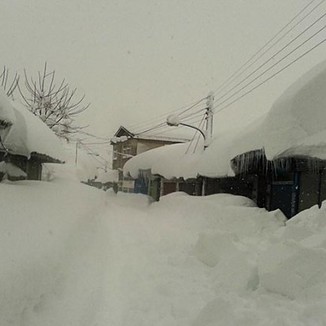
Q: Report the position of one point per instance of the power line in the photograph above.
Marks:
(200, 114)
(241, 70)
(92, 135)
(98, 143)
(163, 127)
(152, 128)
(150, 125)
(275, 54)
(266, 70)
(149, 122)
(272, 76)
(163, 124)
(94, 154)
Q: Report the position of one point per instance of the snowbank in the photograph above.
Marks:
(52, 248)
(79, 165)
(295, 265)
(74, 255)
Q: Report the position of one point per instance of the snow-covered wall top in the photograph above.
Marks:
(295, 125)
(28, 134)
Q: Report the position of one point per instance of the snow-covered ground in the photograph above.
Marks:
(75, 255)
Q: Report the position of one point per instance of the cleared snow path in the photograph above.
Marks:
(154, 279)
(53, 255)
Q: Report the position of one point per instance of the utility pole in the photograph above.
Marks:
(209, 120)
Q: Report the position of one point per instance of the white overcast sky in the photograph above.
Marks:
(135, 59)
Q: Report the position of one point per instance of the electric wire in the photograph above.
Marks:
(151, 127)
(273, 75)
(271, 67)
(92, 135)
(191, 116)
(275, 54)
(164, 128)
(94, 154)
(243, 68)
(239, 72)
(150, 122)
(164, 124)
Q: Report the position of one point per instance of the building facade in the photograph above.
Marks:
(127, 145)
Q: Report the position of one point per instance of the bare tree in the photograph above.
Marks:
(8, 84)
(56, 104)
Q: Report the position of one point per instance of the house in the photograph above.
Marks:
(279, 160)
(26, 142)
(127, 144)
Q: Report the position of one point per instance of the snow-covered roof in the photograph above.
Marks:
(162, 138)
(294, 126)
(28, 135)
(173, 135)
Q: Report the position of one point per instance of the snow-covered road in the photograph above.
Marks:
(75, 255)
(153, 273)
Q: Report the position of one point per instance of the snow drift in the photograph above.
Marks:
(75, 255)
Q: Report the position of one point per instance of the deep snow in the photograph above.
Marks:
(75, 255)
(27, 133)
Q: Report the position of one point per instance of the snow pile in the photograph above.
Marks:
(74, 255)
(175, 257)
(196, 261)
(79, 165)
(293, 126)
(295, 265)
(52, 253)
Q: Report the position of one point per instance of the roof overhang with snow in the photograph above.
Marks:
(294, 127)
(27, 135)
(123, 134)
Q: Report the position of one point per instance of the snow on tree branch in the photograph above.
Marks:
(56, 104)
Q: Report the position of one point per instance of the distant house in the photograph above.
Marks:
(105, 180)
(26, 142)
(279, 160)
(127, 144)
